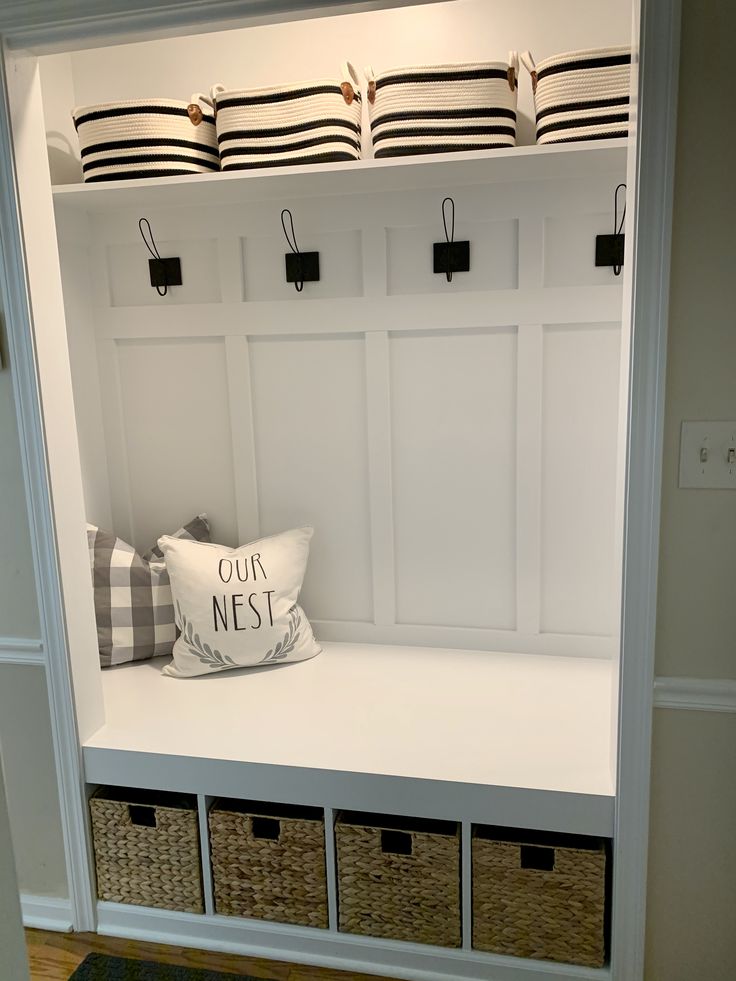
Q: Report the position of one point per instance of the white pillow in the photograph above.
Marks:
(236, 607)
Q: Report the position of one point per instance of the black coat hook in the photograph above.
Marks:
(451, 256)
(163, 272)
(609, 249)
(301, 267)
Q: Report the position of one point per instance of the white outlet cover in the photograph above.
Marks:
(715, 471)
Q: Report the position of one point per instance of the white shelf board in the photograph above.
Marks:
(504, 738)
(523, 163)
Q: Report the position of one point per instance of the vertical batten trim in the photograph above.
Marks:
(531, 254)
(530, 364)
(375, 266)
(230, 265)
(378, 412)
(208, 886)
(466, 883)
(242, 434)
(331, 869)
(113, 421)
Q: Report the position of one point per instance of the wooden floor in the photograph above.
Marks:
(54, 957)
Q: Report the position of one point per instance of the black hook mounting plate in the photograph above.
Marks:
(451, 257)
(165, 272)
(302, 267)
(609, 250)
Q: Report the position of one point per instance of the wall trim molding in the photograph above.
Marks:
(20, 650)
(46, 913)
(697, 694)
(649, 263)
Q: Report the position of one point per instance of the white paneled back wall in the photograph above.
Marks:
(454, 445)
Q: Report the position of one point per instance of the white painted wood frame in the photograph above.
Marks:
(35, 22)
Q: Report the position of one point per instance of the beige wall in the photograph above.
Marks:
(18, 604)
(30, 775)
(14, 963)
(692, 875)
(25, 728)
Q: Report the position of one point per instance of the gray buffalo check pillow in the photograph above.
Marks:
(133, 604)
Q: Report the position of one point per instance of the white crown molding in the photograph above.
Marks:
(696, 694)
(19, 650)
(46, 913)
(57, 25)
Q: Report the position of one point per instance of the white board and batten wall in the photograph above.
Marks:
(453, 446)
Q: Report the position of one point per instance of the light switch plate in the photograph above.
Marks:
(704, 455)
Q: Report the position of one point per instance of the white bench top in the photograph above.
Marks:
(536, 723)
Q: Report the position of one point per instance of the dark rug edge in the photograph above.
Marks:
(110, 967)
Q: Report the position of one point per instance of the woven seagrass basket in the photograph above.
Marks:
(399, 878)
(539, 895)
(147, 849)
(268, 862)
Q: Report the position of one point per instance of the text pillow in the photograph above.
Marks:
(133, 605)
(237, 607)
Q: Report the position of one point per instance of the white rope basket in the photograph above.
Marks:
(581, 95)
(146, 138)
(441, 108)
(317, 121)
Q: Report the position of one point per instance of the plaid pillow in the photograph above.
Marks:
(133, 604)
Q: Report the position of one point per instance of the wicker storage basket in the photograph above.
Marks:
(302, 123)
(147, 849)
(268, 862)
(539, 895)
(581, 95)
(399, 878)
(440, 108)
(146, 138)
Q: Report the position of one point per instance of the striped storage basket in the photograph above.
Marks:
(581, 95)
(303, 123)
(146, 138)
(440, 108)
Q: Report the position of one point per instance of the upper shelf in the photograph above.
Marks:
(524, 163)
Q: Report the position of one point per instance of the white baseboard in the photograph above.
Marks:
(327, 948)
(46, 913)
(696, 694)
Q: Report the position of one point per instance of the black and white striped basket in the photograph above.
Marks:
(581, 95)
(441, 108)
(146, 138)
(302, 123)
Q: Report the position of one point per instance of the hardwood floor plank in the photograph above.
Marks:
(55, 956)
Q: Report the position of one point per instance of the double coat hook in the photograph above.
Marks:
(609, 249)
(450, 256)
(163, 272)
(301, 267)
